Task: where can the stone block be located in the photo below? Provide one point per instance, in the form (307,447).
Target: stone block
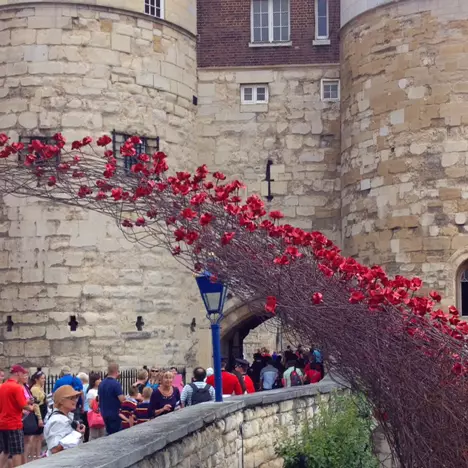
(254,76)
(14,348)
(37,348)
(397,117)
(456,145)
(23,36)
(49,36)
(36,53)
(28,120)
(56,275)
(7,121)
(301,128)
(42,22)
(436,243)
(120,43)
(447,193)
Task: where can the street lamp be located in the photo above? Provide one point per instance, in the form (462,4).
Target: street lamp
(213,294)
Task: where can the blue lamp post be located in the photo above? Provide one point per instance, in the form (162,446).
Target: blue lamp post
(213,294)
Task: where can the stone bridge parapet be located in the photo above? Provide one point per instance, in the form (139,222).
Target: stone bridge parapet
(242,431)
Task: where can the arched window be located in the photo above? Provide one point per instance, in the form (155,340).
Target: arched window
(463,289)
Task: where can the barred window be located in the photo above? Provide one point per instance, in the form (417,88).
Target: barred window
(330,90)
(46,140)
(155,8)
(149,145)
(321,19)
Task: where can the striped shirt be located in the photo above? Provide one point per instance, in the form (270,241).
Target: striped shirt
(141,412)
(128,410)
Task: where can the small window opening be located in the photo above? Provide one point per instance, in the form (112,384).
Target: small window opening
(139,323)
(73,323)
(9,323)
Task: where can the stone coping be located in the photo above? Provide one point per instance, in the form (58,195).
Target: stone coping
(94,6)
(128,447)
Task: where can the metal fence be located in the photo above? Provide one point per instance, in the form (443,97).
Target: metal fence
(127,378)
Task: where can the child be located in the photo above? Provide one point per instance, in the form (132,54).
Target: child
(141,412)
(127,410)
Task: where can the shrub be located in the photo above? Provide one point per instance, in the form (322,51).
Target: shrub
(338,436)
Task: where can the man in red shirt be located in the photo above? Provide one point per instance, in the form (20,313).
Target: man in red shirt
(230,382)
(241,367)
(12,404)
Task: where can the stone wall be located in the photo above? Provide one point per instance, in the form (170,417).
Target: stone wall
(242,431)
(88,70)
(296,130)
(179,12)
(404,139)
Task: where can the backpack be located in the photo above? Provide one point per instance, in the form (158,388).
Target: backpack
(200,395)
(295,379)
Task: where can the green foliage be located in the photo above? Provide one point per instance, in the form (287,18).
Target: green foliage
(338,436)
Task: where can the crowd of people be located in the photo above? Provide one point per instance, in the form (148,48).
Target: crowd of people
(87,407)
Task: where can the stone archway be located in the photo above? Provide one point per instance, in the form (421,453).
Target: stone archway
(239,320)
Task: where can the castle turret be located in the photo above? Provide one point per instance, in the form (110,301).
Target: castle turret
(404,75)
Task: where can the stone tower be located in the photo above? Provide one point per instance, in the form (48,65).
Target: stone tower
(122,65)
(404,127)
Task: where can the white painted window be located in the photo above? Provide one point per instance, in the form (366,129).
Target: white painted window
(154,8)
(270,21)
(321,19)
(254,94)
(330,90)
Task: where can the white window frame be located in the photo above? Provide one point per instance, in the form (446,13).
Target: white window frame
(254,94)
(322,89)
(270,25)
(322,40)
(149,3)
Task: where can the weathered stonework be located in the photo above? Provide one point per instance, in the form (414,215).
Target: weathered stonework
(404,129)
(85,70)
(296,130)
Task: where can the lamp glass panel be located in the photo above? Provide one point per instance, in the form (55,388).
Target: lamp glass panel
(212,301)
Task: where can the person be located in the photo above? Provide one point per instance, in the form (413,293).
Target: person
(229,381)
(12,404)
(153,381)
(292,376)
(256,369)
(84,407)
(30,421)
(66,378)
(141,411)
(268,376)
(289,354)
(209,372)
(178,381)
(277,362)
(165,398)
(198,391)
(241,369)
(92,392)
(37,384)
(142,380)
(110,398)
(61,431)
(95,432)
(127,409)
(2,376)
(312,374)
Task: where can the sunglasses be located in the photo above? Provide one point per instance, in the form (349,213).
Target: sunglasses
(154,370)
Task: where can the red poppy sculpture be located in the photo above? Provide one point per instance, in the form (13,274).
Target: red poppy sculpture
(397,346)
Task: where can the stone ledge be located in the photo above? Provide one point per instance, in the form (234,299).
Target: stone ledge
(128,447)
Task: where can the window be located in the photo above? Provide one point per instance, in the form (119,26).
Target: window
(270,21)
(147,146)
(254,94)
(330,90)
(463,290)
(52,160)
(154,8)
(321,19)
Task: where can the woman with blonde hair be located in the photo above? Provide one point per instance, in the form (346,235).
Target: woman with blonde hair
(166,398)
(153,381)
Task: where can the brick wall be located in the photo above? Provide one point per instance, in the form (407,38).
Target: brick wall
(224,35)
